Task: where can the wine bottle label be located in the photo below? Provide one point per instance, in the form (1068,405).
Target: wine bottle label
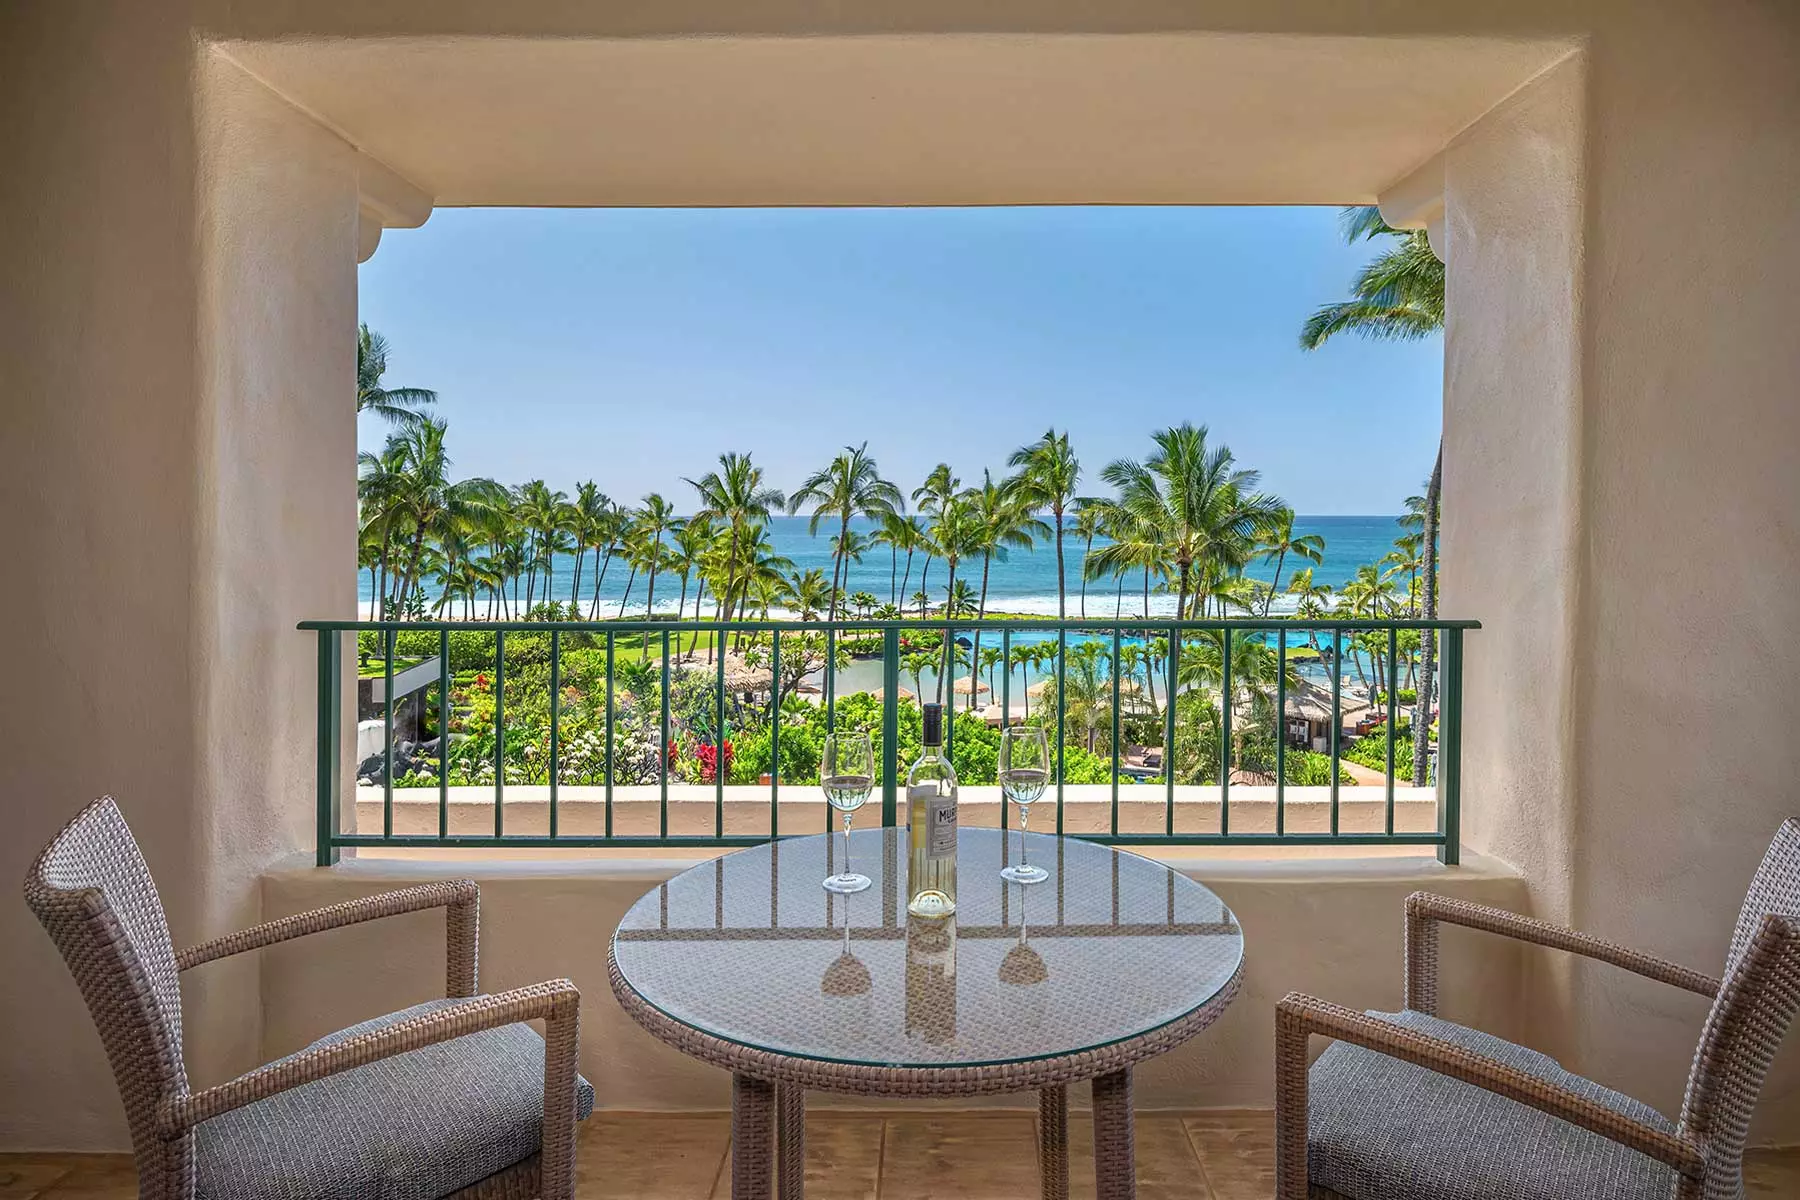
(940,822)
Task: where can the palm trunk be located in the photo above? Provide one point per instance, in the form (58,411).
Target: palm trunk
(575,587)
(949,643)
(626,598)
(699,596)
(893,574)
(1085,553)
(980,615)
(840,563)
(905,579)
(1062,584)
(925,586)
(1276,585)
(1422,711)
(599,581)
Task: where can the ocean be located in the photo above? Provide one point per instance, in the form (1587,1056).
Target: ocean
(1023,582)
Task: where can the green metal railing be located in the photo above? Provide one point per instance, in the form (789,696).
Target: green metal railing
(1058,641)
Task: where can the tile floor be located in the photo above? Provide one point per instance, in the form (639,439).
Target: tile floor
(938,1154)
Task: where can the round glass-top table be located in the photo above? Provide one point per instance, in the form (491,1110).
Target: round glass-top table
(747,963)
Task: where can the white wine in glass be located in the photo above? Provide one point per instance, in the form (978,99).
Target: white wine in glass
(1024,774)
(847,774)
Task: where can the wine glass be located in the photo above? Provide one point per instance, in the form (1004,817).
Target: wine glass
(1024,774)
(847,773)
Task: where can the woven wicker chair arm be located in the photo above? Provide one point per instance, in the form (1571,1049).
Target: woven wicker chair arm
(1424,910)
(1299,1017)
(556,1000)
(461,896)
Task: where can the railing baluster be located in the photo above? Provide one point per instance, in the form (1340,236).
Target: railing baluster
(890,735)
(1115,733)
(387,720)
(499,733)
(947,685)
(609,733)
(774,733)
(1005,713)
(443,733)
(555,715)
(1450,748)
(1337,716)
(1225,732)
(330,747)
(1062,723)
(1281,732)
(662,769)
(1171,665)
(1393,683)
(830,696)
(719,755)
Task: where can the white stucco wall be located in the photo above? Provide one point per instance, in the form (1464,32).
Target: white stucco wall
(175,333)
(177,455)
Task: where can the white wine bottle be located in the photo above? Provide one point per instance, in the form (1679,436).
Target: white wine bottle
(931,825)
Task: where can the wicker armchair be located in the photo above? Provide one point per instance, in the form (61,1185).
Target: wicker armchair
(1406,1106)
(450,1097)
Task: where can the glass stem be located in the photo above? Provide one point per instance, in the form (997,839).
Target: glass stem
(847,871)
(1024,819)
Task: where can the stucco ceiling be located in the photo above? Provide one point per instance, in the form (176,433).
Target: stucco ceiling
(963,119)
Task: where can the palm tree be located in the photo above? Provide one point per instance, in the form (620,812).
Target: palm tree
(933,497)
(692,541)
(1280,543)
(850,486)
(955,533)
(1048,473)
(609,542)
(1024,655)
(809,592)
(398,406)
(851,546)
(545,515)
(632,545)
(1204,510)
(1088,516)
(424,496)
(1314,601)
(656,520)
(1399,295)
(1003,520)
(863,602)
(1133,544)
(588,527)
(959,599)
(737,495)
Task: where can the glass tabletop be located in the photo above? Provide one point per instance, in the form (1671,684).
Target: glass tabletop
(750,948)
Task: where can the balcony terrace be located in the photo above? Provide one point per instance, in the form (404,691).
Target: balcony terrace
(191,183)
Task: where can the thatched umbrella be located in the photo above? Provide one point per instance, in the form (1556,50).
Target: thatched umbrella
(740,676)
(968,685)
(1036,691)
(900,693)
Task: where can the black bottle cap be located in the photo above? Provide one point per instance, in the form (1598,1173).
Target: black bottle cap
(934,724)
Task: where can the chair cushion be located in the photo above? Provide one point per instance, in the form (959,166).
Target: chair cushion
(1382,1129)
(418,1125)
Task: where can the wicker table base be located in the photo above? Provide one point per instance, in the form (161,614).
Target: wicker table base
(768,1139)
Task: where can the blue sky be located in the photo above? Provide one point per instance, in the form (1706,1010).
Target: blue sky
(634,346)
